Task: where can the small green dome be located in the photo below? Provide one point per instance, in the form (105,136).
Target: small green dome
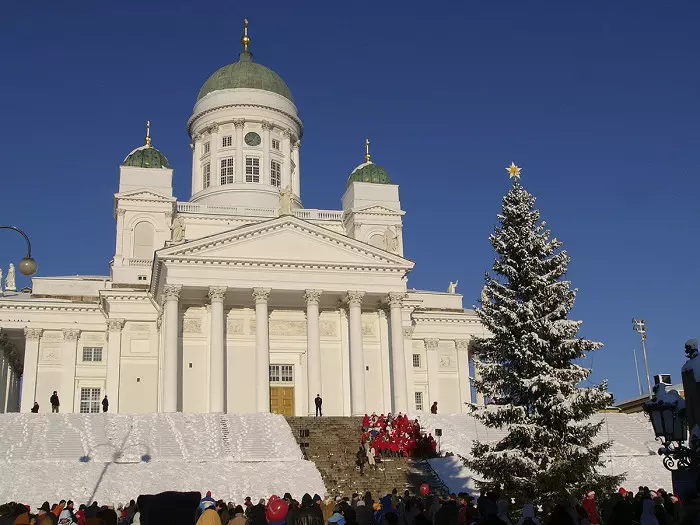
(146,157)
(369,172)
(245,74)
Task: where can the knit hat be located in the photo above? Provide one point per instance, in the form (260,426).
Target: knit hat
(590,493)
(317,497)
(360,503)
(622,491)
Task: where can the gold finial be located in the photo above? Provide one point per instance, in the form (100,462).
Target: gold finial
(513,171)
(245,39)
(148,133)
(367,155)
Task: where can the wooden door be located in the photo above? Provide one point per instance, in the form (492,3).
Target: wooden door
(282,400)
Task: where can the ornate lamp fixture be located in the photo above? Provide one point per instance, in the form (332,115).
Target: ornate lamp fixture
(27,266)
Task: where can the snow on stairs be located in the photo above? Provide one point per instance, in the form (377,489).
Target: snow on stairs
(332,445)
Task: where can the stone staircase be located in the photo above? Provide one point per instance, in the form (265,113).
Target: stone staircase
(332,445)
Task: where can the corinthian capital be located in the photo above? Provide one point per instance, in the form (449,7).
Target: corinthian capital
(214,128)
(239,123)
(217,293)
(354,297)
(267,126)
(261,295)
(115,325)
(71,334)
(395,299)
(33,333)
(171,292)
(296,145)
(312,296)
(287,133)
(462,344)
(432,344)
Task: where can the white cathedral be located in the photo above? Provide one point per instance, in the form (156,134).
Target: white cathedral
(240,299)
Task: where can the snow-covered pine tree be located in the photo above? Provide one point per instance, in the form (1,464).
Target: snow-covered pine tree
(527,368)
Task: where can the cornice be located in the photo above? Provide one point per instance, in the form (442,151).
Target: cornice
(194,118)
(259,263)
(435,318)
(43,307)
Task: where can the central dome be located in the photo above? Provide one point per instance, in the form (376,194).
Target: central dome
(245,74)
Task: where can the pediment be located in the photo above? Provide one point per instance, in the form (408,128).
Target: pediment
(144,195)
(379,210)
(285,240)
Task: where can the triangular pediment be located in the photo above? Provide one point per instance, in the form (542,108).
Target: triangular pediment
(144,195)
(285,240)
(378,209)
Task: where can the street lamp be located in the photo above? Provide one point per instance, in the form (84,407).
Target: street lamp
(668,418)
(27,266)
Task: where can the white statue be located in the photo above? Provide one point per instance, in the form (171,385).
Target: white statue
(286,201)
(452,287)
(179,229)
(391,241)
(0,280)
(10,285)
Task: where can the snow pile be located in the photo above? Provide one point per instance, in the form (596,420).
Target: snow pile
(113,458)
(634,449)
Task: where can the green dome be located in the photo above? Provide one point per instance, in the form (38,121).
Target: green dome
(369,172)
(245,74)
(146,157)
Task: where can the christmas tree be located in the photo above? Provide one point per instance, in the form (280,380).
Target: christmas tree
(527,368)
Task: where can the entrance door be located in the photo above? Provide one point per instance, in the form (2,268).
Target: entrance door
(282,400)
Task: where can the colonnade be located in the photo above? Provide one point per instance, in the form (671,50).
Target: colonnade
(260,296)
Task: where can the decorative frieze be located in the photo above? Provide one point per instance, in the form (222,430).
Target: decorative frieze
(50,354)
(235,327)
(328,329)
(369,329)
(192,326)
(447,361)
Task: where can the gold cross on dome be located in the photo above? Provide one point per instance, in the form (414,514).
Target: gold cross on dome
(367,155)
(148,133)
(513,171)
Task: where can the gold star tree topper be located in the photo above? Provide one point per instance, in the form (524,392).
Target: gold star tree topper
(513,171)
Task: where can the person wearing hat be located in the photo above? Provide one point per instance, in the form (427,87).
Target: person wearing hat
(308,513)
(238,516)
(209,515)
(591,508)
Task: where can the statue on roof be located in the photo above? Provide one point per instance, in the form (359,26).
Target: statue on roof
(10,285)
(286,201)
(178,229)
(452,287)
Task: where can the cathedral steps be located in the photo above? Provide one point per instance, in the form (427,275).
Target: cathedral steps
(332,444)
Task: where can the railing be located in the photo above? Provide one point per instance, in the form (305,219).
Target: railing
(139,262)
(307,214)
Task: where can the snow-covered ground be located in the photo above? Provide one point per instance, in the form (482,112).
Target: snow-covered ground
(116,457)
(633,451)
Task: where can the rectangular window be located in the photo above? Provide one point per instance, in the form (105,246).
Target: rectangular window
(416,360)
(206,148)
(206,175)
(419,401)
(281,373)
(226,141)
(275,173)
(274,373)
(275,144)
(227,170)
(252,169)
(92,354)
(90,400)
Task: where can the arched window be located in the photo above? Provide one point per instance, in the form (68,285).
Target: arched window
(143,241)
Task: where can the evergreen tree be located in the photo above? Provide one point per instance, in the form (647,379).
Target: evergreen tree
(527,368)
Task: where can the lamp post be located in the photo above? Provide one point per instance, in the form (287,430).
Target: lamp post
(640,327)
(27,266)
(668,418)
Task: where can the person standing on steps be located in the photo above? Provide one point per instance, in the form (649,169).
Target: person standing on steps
(55,403)
(318,402)
(105,404)
(35,408)
(433,409)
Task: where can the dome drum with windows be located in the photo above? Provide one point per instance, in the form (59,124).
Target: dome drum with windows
(147,156)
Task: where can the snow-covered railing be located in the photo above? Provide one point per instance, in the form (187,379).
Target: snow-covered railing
(214,209)
(320,215)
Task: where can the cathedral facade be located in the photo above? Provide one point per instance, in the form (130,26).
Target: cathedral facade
(240,299)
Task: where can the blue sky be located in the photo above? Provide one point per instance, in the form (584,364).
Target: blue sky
(597,101)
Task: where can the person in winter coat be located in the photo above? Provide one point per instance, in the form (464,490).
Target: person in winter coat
(66,517)
(55,403)
(336,518)
(35,408)
(105,404)
(433,408)
(238,516)
(448,514)
(318,401)
(502,511)
(622,512)
(386,508)
(528,515)
(648,517)
(363,515)
(209,515)
(591,508)
(307,514)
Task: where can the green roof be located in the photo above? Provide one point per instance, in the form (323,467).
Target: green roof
(369,172)
(245,74)
(146,157)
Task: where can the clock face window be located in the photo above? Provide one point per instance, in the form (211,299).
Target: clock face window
(252,139)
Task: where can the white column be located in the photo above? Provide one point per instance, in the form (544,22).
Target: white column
(4,381)
(197,180)
(120,233)
(217,358)
(431,352)
(465,391)
(410,373)
(357,358)
(114,350)
(385,360)
(69,353)
(214,146)
(10,398)
(171,314)
(398,356)
(313,345)
(287,164)
(239,175)
(345,358)
(265,171)
(296,182)
(262,350)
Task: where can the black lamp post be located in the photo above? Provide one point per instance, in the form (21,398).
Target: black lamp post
(27,266)
(671,429)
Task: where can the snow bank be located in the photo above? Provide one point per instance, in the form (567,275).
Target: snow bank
(116,457)
(634,449)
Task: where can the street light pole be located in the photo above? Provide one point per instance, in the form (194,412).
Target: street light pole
(27,266)
(641,329)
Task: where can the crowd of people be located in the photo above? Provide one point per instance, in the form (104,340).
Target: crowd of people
(386,436)
(645,507)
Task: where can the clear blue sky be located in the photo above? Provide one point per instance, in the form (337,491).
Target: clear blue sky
(597,101)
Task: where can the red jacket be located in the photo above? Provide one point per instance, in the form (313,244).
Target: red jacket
(592,510)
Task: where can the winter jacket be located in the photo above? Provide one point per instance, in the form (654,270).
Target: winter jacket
(238,519)
(528,515)
(591,510)
(448,514)
(137,519)
(336,519)
(363,515)
(66,518)
(54,401)
(209,517)
(622,513)
(502,506)
(648,517)
(308,514)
